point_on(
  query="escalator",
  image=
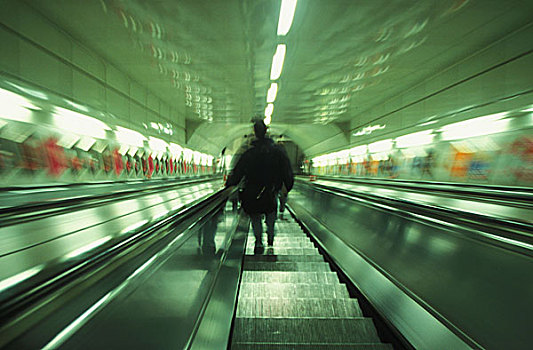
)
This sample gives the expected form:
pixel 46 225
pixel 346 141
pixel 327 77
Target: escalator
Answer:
pixel 291 299
pixel 191 280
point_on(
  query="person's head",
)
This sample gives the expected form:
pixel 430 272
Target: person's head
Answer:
pixel 260 128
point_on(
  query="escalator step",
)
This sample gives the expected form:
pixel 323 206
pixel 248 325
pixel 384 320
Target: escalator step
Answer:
pixel 289 277
pixel 293 290
pixel 288 228
pixel 285 346
pixel 284 258
pixel 298 307
pixel 285 234
pixel 286 244
pixel 286 266
pixel 286 251
pixel 304 330
pixel 289 239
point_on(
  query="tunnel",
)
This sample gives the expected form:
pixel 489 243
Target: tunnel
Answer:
pixel 402 218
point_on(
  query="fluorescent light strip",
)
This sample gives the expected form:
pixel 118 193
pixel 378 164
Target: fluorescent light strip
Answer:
pixel 277 61
pixel 286 16
pixel 269 109
pixel 268 119
pixel 272 92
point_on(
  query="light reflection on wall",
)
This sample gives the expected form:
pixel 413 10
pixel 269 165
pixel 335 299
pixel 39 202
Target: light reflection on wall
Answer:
pixel 492 149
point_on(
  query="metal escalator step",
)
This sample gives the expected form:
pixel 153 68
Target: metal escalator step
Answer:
pixel 298 307
pixel 285 258
pixel 286 244
pixel 285 266
pixel 289 277
pixel 304 330
pixel 288 238
pixel 285 234
pixel 293 290
pixel 289 229
pixel 292 239
pixel 277 346
pixel 285 251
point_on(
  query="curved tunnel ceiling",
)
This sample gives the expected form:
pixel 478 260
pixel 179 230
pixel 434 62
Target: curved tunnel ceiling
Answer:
pixel 344 59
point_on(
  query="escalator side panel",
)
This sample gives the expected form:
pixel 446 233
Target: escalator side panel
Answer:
pixel 480 291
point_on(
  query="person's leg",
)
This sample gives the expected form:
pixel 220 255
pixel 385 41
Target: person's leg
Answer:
pixel 282 203
pixel 257 226
pixel 270 221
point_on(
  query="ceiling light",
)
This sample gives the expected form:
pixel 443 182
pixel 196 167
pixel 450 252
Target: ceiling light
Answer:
pixel 369 129
pixel 277 61
pixel 271 94
pixel 269 109
pixel 428 123
pixel 156 144
pixel 380 146
pixel 15 107
pixel 79 123
pixel 285 16
pixel 420 138
pixel 358 150
pixel 486 125
pixel 129 137
pixel 268 119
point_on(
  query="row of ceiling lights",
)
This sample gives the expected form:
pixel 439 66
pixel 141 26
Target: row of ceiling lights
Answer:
pixel 284 25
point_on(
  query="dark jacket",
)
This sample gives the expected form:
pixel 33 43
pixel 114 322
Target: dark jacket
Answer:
pixel 265 167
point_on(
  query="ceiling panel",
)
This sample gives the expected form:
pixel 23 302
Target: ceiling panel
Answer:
pixel 346 59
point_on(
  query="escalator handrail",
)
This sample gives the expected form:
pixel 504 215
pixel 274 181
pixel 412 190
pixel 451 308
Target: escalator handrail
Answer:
pixel 37 210
pixel 518 237
pixel 506 193
pixel 48 186
pixel 26 295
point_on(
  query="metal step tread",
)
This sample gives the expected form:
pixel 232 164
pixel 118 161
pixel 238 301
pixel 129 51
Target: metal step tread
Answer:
pixel 293 290
pixel 304 330
pixel 284 258
pixel 298 307
pixel 289 277
pixel 286 251
pixel 314 346
pixel 289 231
pixel 286 234
pixel 289 239
pixel 285 244
pixel 286 266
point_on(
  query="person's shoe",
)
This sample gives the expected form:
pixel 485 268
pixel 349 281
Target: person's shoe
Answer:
pixel 259 249
pixel 270 241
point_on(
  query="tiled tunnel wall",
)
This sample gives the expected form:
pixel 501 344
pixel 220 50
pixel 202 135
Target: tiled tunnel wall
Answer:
pixel 35 50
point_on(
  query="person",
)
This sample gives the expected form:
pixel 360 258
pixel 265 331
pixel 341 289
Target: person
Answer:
pixel 265 168
pixel 283 196
pixel 283 193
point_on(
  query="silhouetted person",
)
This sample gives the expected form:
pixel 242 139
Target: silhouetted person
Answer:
pixel 265 169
